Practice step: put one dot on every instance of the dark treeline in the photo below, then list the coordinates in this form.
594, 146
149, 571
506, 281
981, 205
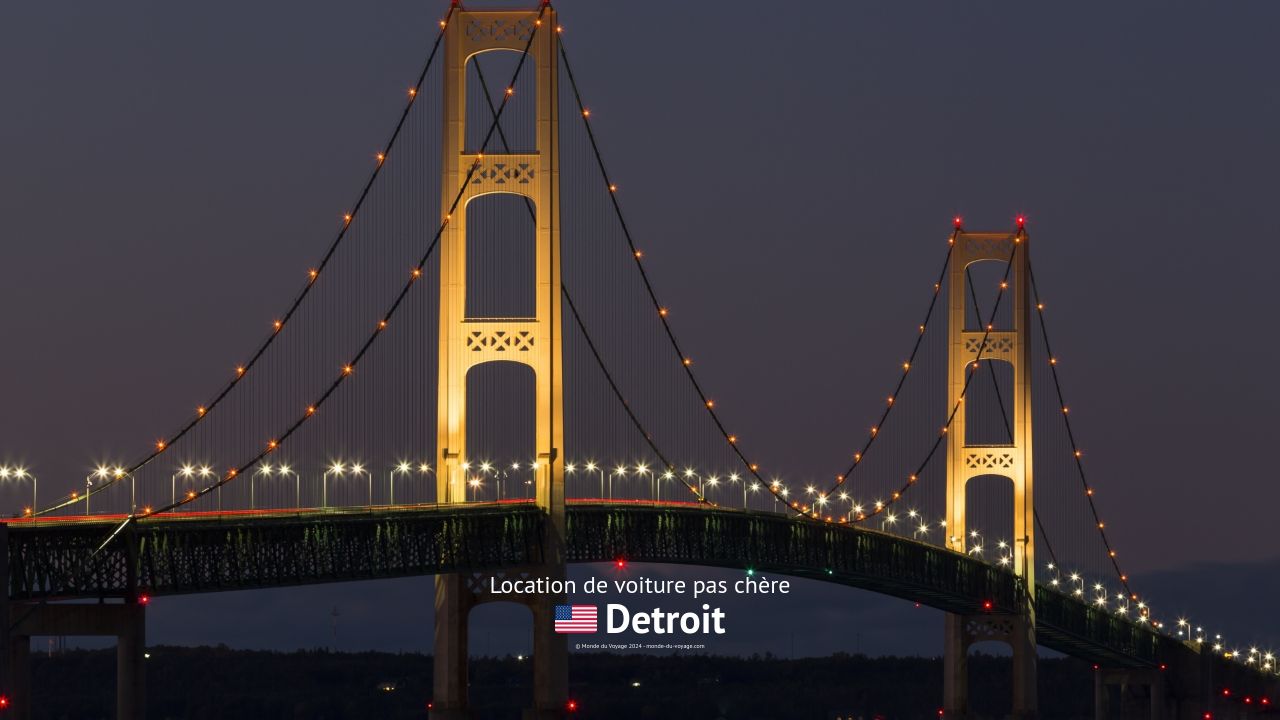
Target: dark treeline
200, 683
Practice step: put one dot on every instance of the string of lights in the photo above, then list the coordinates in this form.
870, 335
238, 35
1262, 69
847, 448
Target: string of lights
709, 404
1071, 436
896, 495
277, 327
661, 310
896, 395
1004, 416
114, 476
348, 369
577, 317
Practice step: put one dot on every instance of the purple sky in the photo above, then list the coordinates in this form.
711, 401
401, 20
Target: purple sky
147, 149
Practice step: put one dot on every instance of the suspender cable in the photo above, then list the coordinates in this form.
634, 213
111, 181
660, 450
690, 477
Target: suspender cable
349, 368
1066, 419
313, 275
1008, 426
577, 317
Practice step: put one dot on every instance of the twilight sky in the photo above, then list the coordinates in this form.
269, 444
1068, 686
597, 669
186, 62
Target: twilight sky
148, 148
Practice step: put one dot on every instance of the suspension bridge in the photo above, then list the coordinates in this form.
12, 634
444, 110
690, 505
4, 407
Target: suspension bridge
489, 247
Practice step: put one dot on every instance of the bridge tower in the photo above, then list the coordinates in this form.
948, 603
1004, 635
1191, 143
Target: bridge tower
966, 461
466, 342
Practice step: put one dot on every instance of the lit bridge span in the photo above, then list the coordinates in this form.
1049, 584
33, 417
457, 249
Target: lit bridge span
208, 552
537, 283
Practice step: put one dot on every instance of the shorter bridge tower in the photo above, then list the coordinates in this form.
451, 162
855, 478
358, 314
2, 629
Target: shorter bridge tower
967, 349
466, 342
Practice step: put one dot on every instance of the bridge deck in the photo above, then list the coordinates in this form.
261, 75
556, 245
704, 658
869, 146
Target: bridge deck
183, 553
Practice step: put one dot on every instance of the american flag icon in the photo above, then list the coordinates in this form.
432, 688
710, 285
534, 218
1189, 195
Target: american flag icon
575, 618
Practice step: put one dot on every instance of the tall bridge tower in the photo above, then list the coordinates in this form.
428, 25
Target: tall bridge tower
965, 461
466, 342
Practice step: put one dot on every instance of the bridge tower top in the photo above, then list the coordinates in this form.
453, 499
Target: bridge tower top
470, 173
967, 350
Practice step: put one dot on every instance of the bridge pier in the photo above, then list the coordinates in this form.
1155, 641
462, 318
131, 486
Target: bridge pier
550, 664
131, 672
456, 596
126, 621
1131, 693
18, 676
960, 633
449, 667
1011, 459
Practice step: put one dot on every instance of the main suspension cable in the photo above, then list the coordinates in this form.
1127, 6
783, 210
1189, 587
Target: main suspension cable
636, 255
1071, 437
895, 396
349, 368
1004, 415
577, 317
313, 275
942, 434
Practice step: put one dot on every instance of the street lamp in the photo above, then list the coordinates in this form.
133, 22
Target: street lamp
263, 469
668, 476
713, 481
474, 482
515, 466
286, 471
186, 471
102, 473
620, 470
206, 472
336, 468
357, 470
20, 473
642, 470
592, 467
403, 468
733, 477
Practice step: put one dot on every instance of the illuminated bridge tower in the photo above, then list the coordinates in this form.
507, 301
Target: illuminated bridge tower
466, 342
1012, 460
